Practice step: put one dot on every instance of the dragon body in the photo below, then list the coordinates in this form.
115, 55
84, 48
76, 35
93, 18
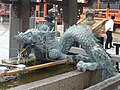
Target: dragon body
46, 46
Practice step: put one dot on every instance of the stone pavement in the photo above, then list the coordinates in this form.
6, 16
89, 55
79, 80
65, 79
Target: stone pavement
4, 41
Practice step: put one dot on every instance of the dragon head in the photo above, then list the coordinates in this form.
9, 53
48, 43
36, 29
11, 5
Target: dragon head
37, 39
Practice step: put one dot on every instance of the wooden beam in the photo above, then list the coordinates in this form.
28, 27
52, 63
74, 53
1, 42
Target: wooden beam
31, 68
98, 26
8, 65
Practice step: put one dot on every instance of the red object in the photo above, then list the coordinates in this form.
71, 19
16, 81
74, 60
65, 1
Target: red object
3, 11
45, 9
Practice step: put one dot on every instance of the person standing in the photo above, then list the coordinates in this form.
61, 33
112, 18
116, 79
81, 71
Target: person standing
1, 19
109, 25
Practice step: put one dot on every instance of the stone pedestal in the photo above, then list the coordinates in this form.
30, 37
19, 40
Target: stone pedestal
14, 28
18, 23
73, 80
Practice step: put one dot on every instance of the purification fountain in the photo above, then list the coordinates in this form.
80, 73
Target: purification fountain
97, 65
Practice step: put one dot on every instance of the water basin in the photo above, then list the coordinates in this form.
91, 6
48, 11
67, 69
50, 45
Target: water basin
32, 76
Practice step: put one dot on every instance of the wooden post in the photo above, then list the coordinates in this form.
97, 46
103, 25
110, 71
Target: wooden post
98, 4
37, 11
118, 14
24, 15
84, 7
108, 10
69, 13
45, 9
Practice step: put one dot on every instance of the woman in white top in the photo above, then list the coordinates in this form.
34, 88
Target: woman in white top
109, 29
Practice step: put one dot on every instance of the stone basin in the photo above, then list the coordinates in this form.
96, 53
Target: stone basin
36, 75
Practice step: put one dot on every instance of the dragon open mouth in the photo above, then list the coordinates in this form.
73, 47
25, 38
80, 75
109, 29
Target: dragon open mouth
25, 51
